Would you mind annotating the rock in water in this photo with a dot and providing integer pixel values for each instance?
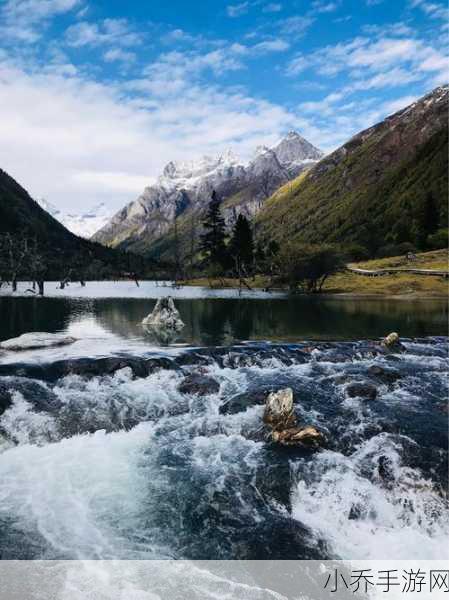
(199, 385)
(392, 342)
(36, 340)
(165, 316)
(279, 409)
(365, 390)
(280, 417)
(299, 436)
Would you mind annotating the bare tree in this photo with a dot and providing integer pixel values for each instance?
(14, 252)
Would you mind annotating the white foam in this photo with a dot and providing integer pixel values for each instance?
(408, 520)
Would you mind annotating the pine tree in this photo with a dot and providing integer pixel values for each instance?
(242, 244)
(213, 239)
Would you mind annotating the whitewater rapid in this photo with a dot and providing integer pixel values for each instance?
(124, 467)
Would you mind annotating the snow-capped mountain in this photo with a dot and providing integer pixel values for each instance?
(85, 224)
(184, 189)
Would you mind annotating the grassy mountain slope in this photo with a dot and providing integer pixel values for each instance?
(386, 186)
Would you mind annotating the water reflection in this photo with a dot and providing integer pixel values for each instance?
(222, 321)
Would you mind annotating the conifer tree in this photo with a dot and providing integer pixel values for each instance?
(213, 239)
(242, 244)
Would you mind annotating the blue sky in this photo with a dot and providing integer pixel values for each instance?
(96, 96)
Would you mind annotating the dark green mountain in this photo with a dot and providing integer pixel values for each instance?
(60, 249)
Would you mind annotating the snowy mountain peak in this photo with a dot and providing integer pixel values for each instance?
(293, 148)
(85, 224)
(49, 207)
(186, 187)
(192, 169)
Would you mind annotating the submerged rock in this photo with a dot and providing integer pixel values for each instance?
(365, 390)
(279, 409)
(165, 315)
(299, 436)
(199, 385)
(384, 375)
(37, 340)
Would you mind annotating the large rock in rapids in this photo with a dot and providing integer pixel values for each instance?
(384, 375)
(199, 385)
(365, 390)
(279, 409)
(37, 340)
(165, 315)
(392, 342)
(299, 436)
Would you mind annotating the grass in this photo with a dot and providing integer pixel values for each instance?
(401, 284)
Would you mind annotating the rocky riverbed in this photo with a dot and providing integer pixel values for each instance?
(168, 455)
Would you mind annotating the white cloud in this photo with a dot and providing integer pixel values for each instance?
(324, 7)
(432, 9)
(273, 7)
(24, 20)
(108, 31)
(77, 142)
(237, 10)
(119, 55)
(296, 26)
(33, 11)
(393, 106)
(364, 56)
(276, 45)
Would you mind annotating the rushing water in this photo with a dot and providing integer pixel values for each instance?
(122, 464)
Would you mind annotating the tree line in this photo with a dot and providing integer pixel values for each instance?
(25, 257)
(236, 253)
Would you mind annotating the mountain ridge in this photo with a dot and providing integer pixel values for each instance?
(184, 189)
(375, 189)
(22, 217)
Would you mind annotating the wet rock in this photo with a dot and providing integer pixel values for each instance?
(279, 409)
(299, 436)
(384, 375)
(37, 394)
(365, 390)
(87, 367)
(392, 342)
(199, 385)
(385, 469)
(340, 379)
(164, 316)
(37, 340)
(241, 402)
(236, 360)
(356, 512)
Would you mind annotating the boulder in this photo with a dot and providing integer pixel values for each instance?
(299, 436)
(164, 316)
(384, 375)
(199, 385)
(37, 340)
(279, 409)
(365, 390)
(39, 395)
(242, 401)
(392, 342)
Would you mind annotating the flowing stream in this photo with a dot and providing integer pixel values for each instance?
(103, 456)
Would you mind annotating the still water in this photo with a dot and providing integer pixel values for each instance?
(221, 321)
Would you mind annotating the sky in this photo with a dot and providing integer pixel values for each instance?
(96, 96)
